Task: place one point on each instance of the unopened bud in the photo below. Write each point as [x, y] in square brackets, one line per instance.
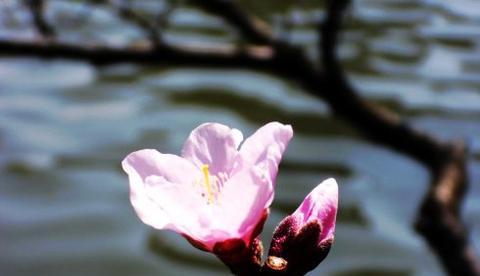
[304, 238]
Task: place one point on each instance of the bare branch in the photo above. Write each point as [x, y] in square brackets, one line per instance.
[36, 8]
[213, 56]
[126, 12]
[161, 20]
[250, 27]
[439, 219]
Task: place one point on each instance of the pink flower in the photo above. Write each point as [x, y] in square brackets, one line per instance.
[304, 238]
[214, 192]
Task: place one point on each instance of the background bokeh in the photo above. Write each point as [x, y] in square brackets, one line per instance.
[65, 127]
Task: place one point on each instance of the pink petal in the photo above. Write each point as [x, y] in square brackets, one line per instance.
[186, 210]
[243, 201]
[322, 204]
[165, 205]
[213, 144]
[264, 149]
[147, 210]
[144, 164]
[149, 162]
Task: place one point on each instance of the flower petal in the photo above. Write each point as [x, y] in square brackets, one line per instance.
[213, 144]
[149, 162]
[243, 201]
[322, 204]
[185, 208]
[165, 205]
[265, 148]
[141, 165]
[147, 210]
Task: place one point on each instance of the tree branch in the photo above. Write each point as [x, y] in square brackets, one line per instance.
[250, 27]
[214, 56]
[36, 8]
[151, 29]
[439, 219]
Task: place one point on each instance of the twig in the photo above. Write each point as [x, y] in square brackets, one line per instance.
[161, 20]
[36, 8]
[126, 12]
[250, 27]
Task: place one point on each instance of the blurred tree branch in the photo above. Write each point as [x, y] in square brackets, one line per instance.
[439, 220]
[250, 27]
[221, 56]
[36, 8]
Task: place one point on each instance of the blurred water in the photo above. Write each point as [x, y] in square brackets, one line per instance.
[65, 127]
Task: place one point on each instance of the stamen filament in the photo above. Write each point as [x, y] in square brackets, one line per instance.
[206, 175]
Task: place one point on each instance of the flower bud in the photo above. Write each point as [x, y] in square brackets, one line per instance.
[304, 238]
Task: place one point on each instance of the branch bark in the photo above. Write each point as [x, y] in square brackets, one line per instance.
[439, 219]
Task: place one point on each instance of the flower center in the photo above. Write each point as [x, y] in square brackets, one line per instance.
[210, 185]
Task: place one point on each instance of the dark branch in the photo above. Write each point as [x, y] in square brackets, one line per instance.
[223, 57]
[439, 219]
[161, 20]
[378, 124]
[250, 27]
[36, 8]
[150, 28]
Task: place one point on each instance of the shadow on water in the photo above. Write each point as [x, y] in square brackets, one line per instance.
[259, 112]
[162, 247]
[348, 214]
[325, 168]
[374, 272]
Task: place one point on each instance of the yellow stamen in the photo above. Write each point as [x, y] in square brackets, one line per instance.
[206, 175]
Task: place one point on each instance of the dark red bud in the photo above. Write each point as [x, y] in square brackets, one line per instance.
[256, 251]
[283, 236]
[302, 248]
[308, 247]
[241, 260]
